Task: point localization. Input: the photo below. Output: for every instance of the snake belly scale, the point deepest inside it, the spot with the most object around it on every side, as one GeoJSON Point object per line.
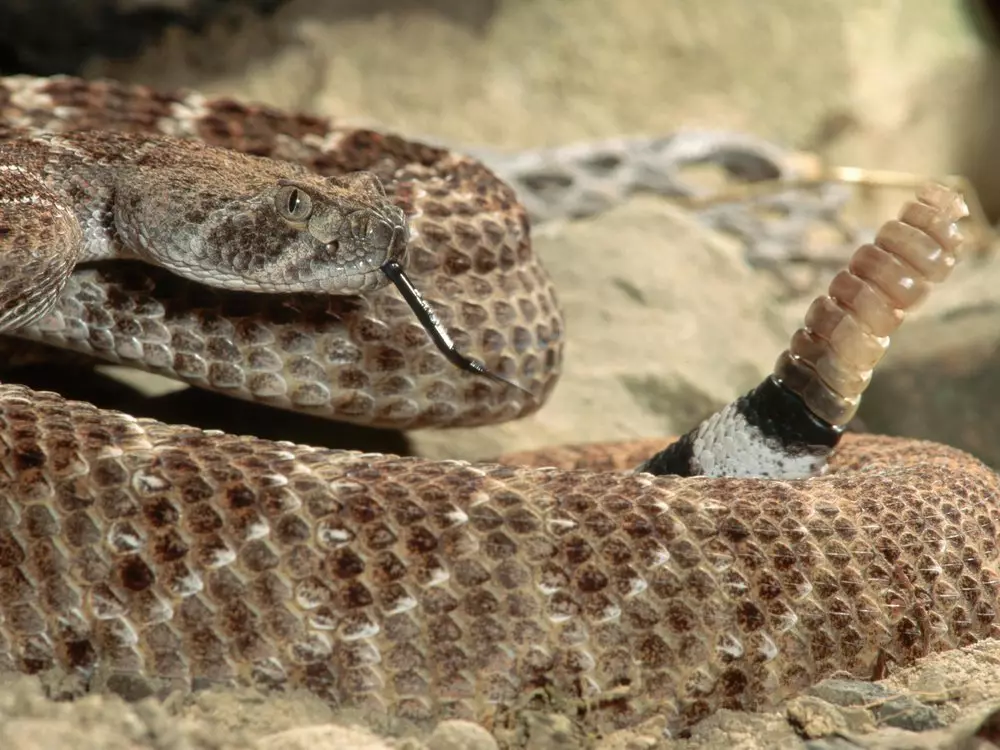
{"type": "Point", "coordinates": [134, 552]}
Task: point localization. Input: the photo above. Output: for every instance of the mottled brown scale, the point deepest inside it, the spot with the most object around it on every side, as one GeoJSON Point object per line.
{"type": "Point", "coordinates": [136, 552]}
{"type": "Point", "coordinates": [830, 360]}
{"type": "Point", "coordinates": [166, 325]}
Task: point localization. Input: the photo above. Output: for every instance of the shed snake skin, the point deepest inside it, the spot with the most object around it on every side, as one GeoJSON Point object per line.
{"type": "Point", "coordinates": [134, 552]}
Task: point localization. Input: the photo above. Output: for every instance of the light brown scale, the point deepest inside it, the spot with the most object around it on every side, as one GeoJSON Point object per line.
{"type": "Point", "coordinates": [830, 360]}
{"type": "Point", "coordinates": [142, 556]}
{"type": "Point", "coordinates": [369, 361]}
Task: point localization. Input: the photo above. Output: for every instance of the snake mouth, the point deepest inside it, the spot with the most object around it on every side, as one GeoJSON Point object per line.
{"type": "Point", "coordinates": [358, 258]}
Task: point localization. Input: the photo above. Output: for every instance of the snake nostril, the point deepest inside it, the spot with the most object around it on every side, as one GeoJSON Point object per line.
{"type": "Point", "coordinates": [383, 235]}
{"type": "Point", "coordinates": [398, 242]}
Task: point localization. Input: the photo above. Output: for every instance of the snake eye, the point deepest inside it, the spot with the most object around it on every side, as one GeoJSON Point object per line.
{"type": "Point", "coordinates": [292, 203]}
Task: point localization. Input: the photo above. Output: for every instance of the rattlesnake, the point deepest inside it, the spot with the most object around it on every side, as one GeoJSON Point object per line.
{"type": "Point", "coordinates": [140, 555]}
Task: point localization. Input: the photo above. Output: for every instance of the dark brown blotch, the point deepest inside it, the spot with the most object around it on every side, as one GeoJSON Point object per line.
{"type": "Point", "coordinates": [134, 574]}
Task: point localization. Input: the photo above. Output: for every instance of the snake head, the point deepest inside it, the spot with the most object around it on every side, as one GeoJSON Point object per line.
{"type": "Point", "coordinates": [267, 227]}
{"type": "Point", "coordinates": [346, 231]}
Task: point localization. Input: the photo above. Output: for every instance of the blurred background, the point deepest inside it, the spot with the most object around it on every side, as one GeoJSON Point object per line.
{"type": "Point", "coordinates": [669, 314]}
{"type": "Point", "coordinates": [888, 83]}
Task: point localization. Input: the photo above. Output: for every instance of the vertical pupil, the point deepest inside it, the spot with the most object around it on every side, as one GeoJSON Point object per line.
{"type": "Point", "coordinates": [293, 201]}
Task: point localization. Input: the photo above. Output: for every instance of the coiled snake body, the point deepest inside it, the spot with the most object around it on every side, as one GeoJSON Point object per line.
{"type": "Point", "coordinates": [138, 553]}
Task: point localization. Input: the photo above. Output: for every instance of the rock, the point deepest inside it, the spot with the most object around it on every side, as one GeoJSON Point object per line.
{"type": "Point", "coordinates": [30, 42]}
{"type": "Point", "coordinates": [960, 688]}
{"type": "Point", "coordinates": [556, 71]}
{"type": "Point", "coordinates": [30, 721]}
{"type": "Point", "coordinates": [909, 713]}
{"type": "Point", "coordinates": [460, 735]}
{"type": "Point", "coordinates": [325, 737]}
{"type": "Point", "coordinates": [34, 734]}
{"type": "Point", "coordinates": [813, 717]}
{"type": "Point", "coordinates": [247, 710]}
{"type": "Point", "coordinates": [736, 730]}
{"type": "Point", "coordinates": [544, 731]}
{"type": "Point", "coordinates": [849, 692]}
